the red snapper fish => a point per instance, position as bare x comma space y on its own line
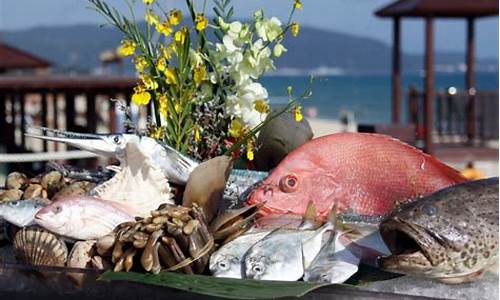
365, 174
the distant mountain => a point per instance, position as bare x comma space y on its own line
77, 48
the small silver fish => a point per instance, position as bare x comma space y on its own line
82, 217
226, 262
21, 213
334, 263
283, 254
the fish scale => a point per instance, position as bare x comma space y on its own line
364, 173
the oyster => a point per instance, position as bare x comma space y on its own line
52, 182
36, 246
16, 180
11, 195
33, 191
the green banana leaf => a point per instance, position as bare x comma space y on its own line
218, 287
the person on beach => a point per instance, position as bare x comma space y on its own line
471, 173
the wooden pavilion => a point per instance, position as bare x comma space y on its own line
12, 58
469, 10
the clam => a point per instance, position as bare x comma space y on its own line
80, 257
52, 182
36, 246
11, 195
206, 185
69, 190
33, 191
16, 180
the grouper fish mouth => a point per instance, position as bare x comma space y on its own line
450, 235
410, 247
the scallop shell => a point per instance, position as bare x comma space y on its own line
36, 246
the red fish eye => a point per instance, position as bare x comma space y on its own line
57, 209
289, 183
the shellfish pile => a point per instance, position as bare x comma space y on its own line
50, 185
172, 238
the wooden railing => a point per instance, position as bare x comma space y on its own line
76, 103
459, 116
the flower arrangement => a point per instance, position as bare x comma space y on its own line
200, 77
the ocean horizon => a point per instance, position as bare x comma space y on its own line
368, 97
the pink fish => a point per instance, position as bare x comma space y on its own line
82, 217
366, 174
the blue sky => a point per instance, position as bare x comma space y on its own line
348, 16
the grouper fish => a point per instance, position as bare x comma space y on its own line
451, 235
366, 174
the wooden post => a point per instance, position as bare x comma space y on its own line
70, 111
91, 114
43, 116
3, 116
22, 112
112, 117
469, 83
429, 84
56, 116
396, 72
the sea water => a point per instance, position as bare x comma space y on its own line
367, 96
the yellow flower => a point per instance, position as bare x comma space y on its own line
166, 52
180, 36
126, 48
298, 113
161, 64
156, 132
177, 107
164, 28
297, 4
197, 133
295, 28
141, 96
250, 154
170, 74
152, 18
140, 63
149, 82
162, 99
200, 73
175, 17
236, 129
148, 2
201, 22
261, 106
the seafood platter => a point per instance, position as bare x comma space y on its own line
333, 207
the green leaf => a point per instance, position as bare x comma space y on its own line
218, 287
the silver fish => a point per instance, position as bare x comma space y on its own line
226, 262
334, 263
82, 217
21, 213
283, 254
